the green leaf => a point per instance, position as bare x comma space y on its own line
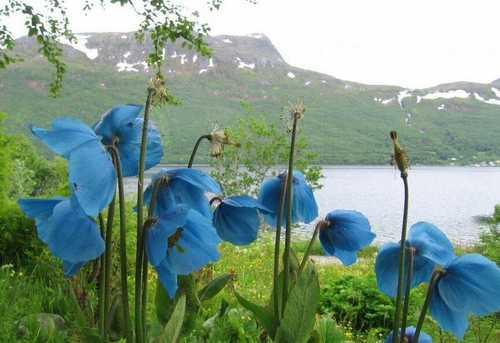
263, 315
299, 316
173, 328
326, 331
163, 303
214, 287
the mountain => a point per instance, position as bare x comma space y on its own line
346, 122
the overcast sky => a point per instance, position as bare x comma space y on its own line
416, 44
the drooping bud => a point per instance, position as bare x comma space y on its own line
400, 157
161, 95
219, 138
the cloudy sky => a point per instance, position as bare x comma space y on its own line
414, 44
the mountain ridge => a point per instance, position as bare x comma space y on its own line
448, 123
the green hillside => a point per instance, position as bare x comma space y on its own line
347, 123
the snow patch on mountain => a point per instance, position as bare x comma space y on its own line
487, 101
290, 75
459, 93
81, 45
243, 65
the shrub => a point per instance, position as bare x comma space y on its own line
355, 301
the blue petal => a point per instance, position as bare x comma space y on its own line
269, 196
40, 210
93, 177
66, 135
449, 320
73, 236
115, 120
431, 243
349, 230
387, 269
246, 201
129, 147
410, 332
346, 257
198, 245
471, 284
304, 208
71, 269
236, 224
157, 238
196, 178
168, 279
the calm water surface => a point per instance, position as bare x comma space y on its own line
450, 197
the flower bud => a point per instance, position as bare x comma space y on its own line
219, 138
400, 157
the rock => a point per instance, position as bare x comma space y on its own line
43, 325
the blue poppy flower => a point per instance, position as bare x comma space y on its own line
183, 186
236, 219
91, 170
122, 126
469, 285
69, 233
410, 333
181, 242
431, 247
304, 207
344, 234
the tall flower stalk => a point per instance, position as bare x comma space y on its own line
401, 160
140, 258
297, 113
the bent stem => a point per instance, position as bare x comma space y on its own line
409, 279
139, 257
318, 227
107, 262
397, 315
288, 207
436, 276
195, 149
277, 243
123, 245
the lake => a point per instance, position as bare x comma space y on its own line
452, 198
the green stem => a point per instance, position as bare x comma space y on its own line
144, 286
139, 257
100, 306
309, 247
409, 279
277, 242
195, 149
123, 245
436, 276
397, 315
107, 262
288, 207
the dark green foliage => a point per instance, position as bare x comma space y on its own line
357, 302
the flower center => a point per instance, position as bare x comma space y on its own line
216, 201
172, 240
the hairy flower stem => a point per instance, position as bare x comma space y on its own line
436, 276
107, 263
147, 225
123, 245
409, 278
100, 306
288, 208
309, 247
139, 257
277, 243
195, 149
397, 314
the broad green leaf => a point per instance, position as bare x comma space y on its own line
214, 287
173, 328
326, 331
163, 304
300, 311
263, 315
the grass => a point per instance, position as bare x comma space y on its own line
45, 290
